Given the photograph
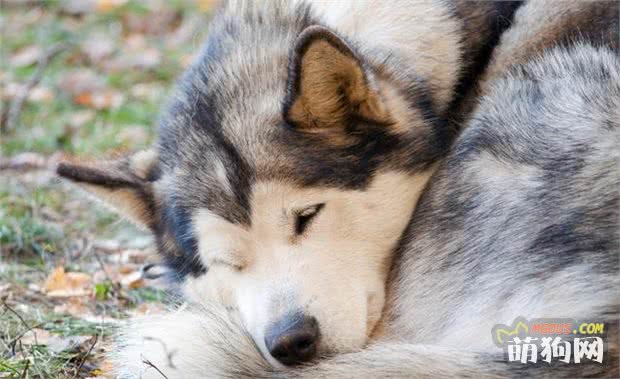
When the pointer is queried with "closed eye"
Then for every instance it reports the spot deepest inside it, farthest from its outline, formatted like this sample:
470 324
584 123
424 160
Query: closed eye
222 262
219 257
304 217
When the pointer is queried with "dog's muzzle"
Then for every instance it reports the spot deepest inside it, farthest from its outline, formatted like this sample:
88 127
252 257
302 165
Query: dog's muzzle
293 339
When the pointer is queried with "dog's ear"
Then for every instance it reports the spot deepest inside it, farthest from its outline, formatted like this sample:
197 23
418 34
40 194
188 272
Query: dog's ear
125 184
328 84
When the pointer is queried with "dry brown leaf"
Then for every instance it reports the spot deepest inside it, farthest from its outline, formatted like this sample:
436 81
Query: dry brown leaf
106 370
36 336
106 245
56 344
106 99
109 5
149 309
133 280
65 284
74 306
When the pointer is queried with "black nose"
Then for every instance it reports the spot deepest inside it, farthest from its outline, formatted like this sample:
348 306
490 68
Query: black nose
293 339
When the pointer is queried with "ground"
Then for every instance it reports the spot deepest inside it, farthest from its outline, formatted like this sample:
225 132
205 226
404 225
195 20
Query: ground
83 78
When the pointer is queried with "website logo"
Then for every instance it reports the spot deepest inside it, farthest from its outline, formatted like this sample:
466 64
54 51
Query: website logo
548 340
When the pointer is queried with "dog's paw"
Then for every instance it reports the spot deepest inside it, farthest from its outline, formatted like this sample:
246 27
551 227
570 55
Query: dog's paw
192 343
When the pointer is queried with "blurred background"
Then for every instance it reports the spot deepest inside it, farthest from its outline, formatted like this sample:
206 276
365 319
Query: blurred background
84 78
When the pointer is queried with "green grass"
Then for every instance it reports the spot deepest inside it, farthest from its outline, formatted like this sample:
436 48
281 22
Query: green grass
45 223
38 360
31 219
49 120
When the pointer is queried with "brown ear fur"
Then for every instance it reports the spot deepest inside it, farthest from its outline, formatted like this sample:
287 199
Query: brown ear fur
124 184
328 84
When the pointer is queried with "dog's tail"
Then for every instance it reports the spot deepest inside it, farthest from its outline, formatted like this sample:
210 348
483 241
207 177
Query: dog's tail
211 344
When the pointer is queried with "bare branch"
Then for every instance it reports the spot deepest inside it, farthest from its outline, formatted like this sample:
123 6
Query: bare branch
10 118
92 346
25 372
169 354
21 319
150 364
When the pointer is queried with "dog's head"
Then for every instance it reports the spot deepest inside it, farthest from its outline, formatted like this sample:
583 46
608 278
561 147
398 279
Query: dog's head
280 185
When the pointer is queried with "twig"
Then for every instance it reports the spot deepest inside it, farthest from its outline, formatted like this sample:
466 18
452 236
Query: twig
21 319
148 363
169 354
9 119
17 338
8 307
115 286
92 346
25 372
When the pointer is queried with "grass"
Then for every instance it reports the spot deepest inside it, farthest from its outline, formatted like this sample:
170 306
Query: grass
38 360
43 126
45 223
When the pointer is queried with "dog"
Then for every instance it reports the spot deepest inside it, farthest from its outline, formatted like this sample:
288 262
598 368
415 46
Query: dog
282 188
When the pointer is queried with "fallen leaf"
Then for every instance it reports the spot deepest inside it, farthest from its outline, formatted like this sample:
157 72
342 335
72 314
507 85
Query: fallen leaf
65 284
133 280
81 81
149 309
74 306
106 245
26 56
135 256
36 336
57 344
106 368
107 99
126 269
109 5
101 276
